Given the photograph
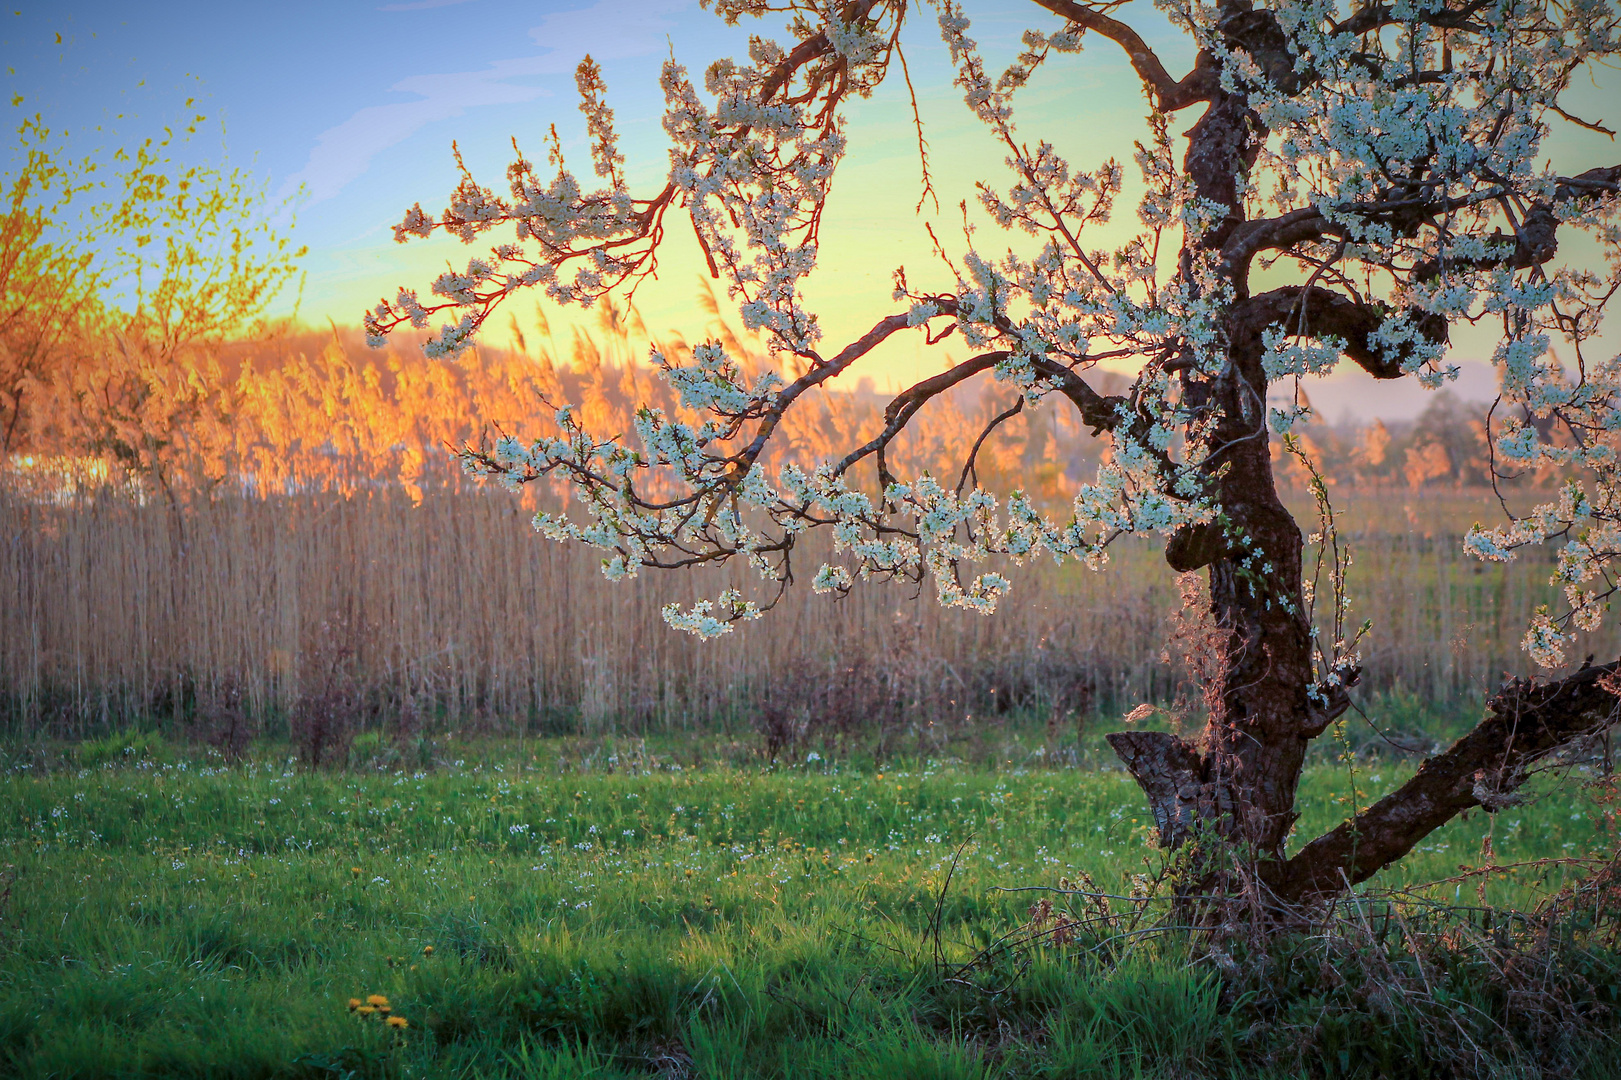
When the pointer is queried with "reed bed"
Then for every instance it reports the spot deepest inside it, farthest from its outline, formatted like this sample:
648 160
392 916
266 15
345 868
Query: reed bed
290 533
449 610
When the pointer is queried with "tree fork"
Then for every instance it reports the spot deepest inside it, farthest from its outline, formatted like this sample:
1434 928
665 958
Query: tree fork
1239 779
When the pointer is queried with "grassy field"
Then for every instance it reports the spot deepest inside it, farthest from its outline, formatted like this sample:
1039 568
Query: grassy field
580 908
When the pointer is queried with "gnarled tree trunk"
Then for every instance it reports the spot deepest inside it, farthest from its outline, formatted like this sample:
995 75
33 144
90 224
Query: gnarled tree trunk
1239 779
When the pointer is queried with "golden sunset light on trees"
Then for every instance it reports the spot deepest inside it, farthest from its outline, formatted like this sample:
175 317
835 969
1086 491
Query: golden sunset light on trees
118 274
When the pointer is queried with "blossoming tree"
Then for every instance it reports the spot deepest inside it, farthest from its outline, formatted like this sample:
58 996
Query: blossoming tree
1380 164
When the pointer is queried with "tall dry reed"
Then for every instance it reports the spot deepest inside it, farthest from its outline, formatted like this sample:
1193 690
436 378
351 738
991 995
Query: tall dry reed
115 608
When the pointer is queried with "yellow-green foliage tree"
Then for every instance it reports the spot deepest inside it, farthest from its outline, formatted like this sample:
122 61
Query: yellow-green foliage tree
47 286
121 273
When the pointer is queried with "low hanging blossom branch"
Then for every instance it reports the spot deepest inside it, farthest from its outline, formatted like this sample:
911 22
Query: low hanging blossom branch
753 171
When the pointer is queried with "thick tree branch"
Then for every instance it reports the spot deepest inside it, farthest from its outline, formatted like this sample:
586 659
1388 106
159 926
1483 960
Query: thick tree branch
1593 182
1525 723
1373 17
1170 773
1272 234
820 372
1098 412
1405 212
1535 241
1095 409
1313 311
1170 93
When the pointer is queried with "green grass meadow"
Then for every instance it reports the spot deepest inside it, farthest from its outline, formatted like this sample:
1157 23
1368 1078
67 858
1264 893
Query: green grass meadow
544 912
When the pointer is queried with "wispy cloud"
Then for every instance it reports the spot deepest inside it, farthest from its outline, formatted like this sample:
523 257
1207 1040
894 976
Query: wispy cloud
423 5
608 29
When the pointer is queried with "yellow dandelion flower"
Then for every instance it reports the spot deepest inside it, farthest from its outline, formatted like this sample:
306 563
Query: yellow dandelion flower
365 1010
354 1003
398 1022
376 999
355 870
384 1010
427 950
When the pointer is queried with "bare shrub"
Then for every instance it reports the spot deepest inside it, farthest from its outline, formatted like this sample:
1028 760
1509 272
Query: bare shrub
222 720
408 724
323 725
810 703
332 708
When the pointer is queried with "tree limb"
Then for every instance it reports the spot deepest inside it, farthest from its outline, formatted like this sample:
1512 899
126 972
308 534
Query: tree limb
1315 311
1170 773
1097 412
1372 17
973 454
906 404
1172 94
1525 723
1535 241
1587 184
820 372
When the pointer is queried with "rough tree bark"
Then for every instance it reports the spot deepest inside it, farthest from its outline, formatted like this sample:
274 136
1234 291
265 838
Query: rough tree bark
1525 723
1239 778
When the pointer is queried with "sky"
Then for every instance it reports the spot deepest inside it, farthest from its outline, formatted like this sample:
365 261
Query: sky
348 111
